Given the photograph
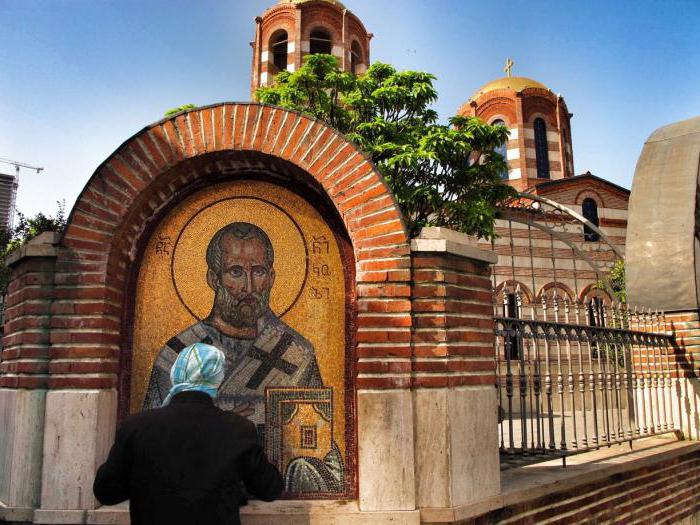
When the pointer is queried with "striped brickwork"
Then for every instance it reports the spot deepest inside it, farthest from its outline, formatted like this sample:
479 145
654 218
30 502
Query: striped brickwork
26 345
685 327
298 20
531 259
453 321
660 494
518 110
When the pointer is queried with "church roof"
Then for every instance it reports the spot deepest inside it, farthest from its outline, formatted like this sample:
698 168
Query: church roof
515 83
584 176
334 2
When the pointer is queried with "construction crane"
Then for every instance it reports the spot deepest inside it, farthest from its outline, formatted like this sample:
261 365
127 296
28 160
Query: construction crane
18 165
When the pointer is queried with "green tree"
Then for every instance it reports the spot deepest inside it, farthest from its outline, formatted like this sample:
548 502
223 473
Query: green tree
184 107
614 281
441 175
26 229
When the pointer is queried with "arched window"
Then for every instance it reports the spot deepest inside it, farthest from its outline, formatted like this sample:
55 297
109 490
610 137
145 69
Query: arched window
355 57
541 153
590 212
565 142
321 42
502 149
279 50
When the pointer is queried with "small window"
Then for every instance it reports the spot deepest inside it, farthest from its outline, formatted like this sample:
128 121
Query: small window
590 212
355 57
541 149
321 43
502 150
279 51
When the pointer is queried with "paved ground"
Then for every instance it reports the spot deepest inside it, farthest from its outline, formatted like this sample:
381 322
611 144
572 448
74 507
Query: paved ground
576 432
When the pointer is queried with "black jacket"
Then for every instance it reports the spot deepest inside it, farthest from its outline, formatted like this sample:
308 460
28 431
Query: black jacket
184 463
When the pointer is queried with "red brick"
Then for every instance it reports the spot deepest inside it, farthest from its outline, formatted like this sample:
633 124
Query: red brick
206 118
383 367
379 321
59 382
402 350
176 143
383 383
385 305
84 367
58 352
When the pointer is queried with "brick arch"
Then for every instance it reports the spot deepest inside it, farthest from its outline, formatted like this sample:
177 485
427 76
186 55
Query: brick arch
510 286
546 116
315 22
583 194
549 289
156 168
499 116
592 291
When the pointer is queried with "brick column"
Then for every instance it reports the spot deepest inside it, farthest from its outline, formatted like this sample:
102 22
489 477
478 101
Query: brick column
453 380
685 326
24 374
81 403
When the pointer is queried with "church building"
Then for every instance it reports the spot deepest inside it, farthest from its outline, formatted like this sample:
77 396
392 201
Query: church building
539 154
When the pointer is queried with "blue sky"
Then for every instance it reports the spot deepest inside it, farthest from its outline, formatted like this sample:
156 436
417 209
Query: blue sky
78 77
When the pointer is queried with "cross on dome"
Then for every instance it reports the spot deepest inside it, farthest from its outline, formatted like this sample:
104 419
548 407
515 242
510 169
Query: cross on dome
508 70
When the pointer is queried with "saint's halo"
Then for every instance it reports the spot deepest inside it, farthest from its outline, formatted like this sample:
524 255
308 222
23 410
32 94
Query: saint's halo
189 265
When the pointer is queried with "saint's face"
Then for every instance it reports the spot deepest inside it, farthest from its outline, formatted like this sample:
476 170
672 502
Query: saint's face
243 266
244 282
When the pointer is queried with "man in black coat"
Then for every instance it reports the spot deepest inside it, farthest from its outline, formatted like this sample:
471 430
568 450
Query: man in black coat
186 463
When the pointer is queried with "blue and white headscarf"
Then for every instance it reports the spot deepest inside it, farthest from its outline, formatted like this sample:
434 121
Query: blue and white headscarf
199 367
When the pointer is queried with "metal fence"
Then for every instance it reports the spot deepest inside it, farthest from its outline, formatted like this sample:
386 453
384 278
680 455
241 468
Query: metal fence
575 376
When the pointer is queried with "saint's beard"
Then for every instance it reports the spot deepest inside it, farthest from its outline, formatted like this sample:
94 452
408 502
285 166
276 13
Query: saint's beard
234 311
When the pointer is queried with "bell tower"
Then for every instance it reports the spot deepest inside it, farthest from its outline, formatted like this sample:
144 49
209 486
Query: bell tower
292 29
539 148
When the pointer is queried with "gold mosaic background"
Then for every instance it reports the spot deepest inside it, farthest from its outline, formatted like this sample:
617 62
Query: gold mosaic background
318 313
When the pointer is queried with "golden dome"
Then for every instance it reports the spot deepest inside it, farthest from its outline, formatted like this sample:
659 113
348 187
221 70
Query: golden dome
517 84
334 2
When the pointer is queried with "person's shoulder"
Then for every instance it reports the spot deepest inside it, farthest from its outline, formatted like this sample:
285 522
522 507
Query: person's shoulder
237 423
138 419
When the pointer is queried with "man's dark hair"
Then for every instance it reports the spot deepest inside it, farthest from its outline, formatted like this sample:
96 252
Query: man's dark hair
240 230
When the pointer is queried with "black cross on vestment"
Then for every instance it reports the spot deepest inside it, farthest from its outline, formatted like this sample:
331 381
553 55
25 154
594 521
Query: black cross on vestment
270 361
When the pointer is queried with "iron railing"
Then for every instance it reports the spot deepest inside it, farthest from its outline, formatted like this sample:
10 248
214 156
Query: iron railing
575 376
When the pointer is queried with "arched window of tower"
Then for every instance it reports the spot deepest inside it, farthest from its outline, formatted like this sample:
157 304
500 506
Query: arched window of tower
541 149
589 208
502 149
278 43
565 144
320 43
355 58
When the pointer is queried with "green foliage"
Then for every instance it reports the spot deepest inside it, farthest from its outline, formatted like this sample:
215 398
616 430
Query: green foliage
441 175
173 111
616 278
614 281
26 229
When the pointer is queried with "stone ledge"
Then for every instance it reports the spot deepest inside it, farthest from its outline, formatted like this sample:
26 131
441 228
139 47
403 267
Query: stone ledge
444 240
292 512
535 481
59 516
15 513
43 245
